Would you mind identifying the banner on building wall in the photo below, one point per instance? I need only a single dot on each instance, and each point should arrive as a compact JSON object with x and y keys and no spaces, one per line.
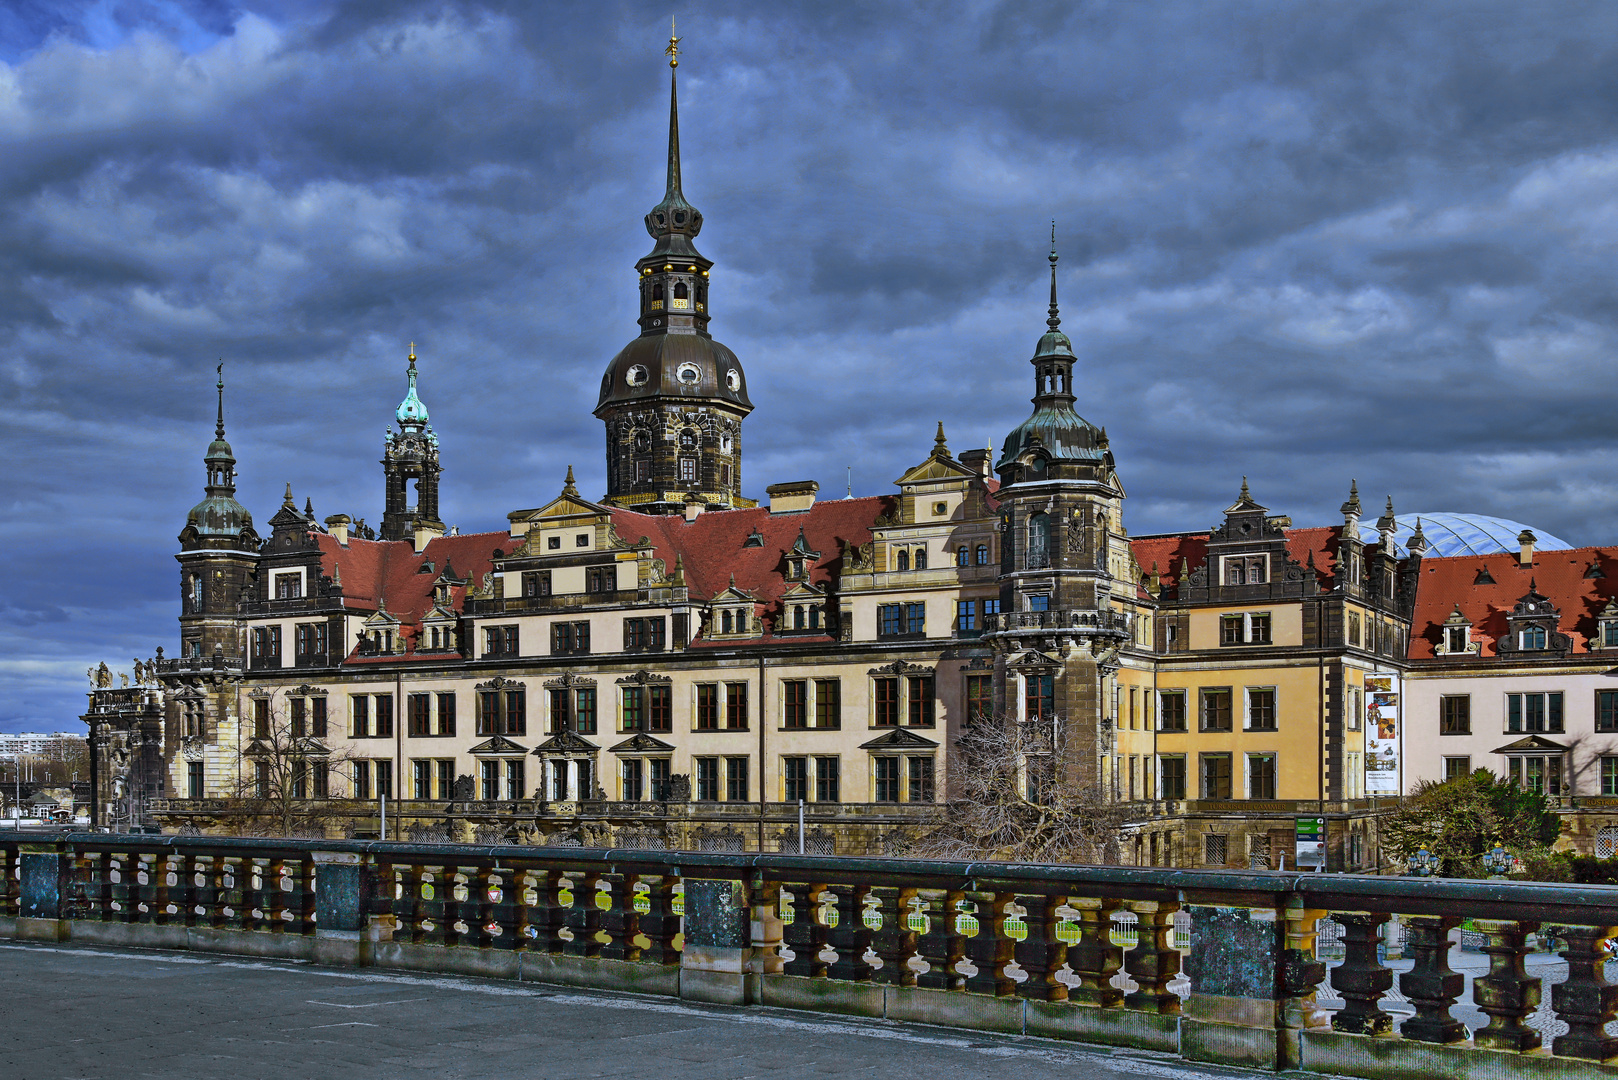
{"x":1382,"y":734}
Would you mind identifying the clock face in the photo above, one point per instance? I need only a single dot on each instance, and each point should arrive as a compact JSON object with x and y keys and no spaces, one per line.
{"x":636,"y":376}
{"x":733,"y":379}
{"x":689,"y":374}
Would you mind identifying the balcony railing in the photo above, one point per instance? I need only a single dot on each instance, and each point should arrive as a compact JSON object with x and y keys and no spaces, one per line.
{"x":176,"y":665}
{"x":1071,"y":618}
{"x":1068,"y":952}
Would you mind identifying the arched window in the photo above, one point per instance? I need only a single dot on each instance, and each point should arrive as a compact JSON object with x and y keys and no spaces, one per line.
{"x":680,"y":291}
{"x":1533,"y":637}
{"x":1039,"y":534}
{"x":921,"y":558}
{"x":814,"y":618}
{"x":657,"y":293}
{"x":963,"y":556}
{"x":904,"y":560}
{"x":797,"y":616}
{"x":983,"y":555}
{"x":1234,"y":574}
{"x":688,"y":439}
{"x":725,"y":621}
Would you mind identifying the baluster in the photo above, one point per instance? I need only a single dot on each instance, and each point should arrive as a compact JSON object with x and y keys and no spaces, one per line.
{"x":895,"y":942}
{"x":991,"y":949}
{"x":942,"y":945}
{"x":413,"y":902}
{"x":764,"y":915}
{"x":1586,"y":1002}
{"x":660,"y":924}
{"x":584,"y":917}
{"x":83,"y":888}
{"x":547,"y":916}
{"x":1507,"y":994}
{"x":1154,"y":962}
{"x":1430,"y":985}
{"x":850,"y":937}
{"x":1042,"y":953}
{"x":308,"y":901}
{"x":808,"y":932}
{"x":480,"y":906}
{"x":159,"y":889}
{"x":1361,"y":978}
{"x":1301,"y":972}
{"x":620,"y":922}
{"x":503,"y":894}
{"x":187,"y":895}
{"x":1095,"y":959}
{"x":274,"y":892}
{"x":451,"y":896}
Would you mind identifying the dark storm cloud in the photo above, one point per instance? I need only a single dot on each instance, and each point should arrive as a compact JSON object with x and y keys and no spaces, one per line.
{"x":1299,"y":242}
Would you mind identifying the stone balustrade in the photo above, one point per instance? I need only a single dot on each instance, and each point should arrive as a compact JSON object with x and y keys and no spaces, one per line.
{"x":1093,"y":620}
{"x":1071,"y":952}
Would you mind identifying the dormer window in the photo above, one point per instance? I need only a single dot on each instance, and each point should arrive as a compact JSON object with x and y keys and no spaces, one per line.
{"x":288,"y":586}
{"x":1455,"y":638}
{"x":1609,"y":633}
{"x":1246,"y":570}
{"x":1531,"y":637}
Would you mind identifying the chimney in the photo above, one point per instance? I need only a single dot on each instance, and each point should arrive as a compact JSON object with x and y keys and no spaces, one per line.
{"x":693,"y":507}
{"x":338,"y":525}
{"x":1525,"y":555}
{"x":978,"y":461}
{"x":793,"y":498}
{"x":425,"y":533}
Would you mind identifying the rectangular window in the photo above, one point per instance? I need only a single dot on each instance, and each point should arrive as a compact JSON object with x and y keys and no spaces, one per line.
{"x":707,"y":707}
{"x":1039,"y":602}
{"x":382,"y":770}
{"x":359,"y":708}
{"x":446,"y":779}
{"x":921,"y":779}
{"x":1455,"y":714}
{"x":645,"y":635}
{"x":660,"y":708}
{"x":1216,"y":776}
{"x":1538,"y":713}
{"x":298,"y":708}
{"x":446,"y":714}
{"x":1261,"y":776}
{"x":1457,"y":767}
{"x":1216,"y":708}
{"x":633,"y":776}
{"x":561,"y":712}
{"x":288,"y":586}
{"x":584,"y":715}
{"x":502,"y":712}
{"x":1230,"y":629}
{"x":794,"y":779}
{"x":921,"y":707}
{"x":489,"y":780}
{"x":657,"y":778}
{"x":500,"y":641}
{"x":1039,"y":697}
{"x":1607,"y":710}
{"x":261,"y":717}
{"x":362,"y":779}
{"x":1172,"y":786}
{"x":736,"y":779}
{"x":688,"y":470}
{"x":915,"y":618}
{"x":1260,"y":708}
{"x":261,"y":779}
{"x":966,"y":618}
{"x":1258,"y":629}
{"x":319,"y":780}
{"x":632,"y":716}
{"x":1353,"y":629}
{"x":193,"y":778}
{"x":1171,"y":711}
{"x":795,"y":704}
{"x":885,"y":698}
{"x":514,"y":778}
{"x":1609,"y":776}
{"x":736,"y":706}
{"x":827,"y":770}
{"x":536,"y":583}
{"x":601,"y":579}
{"x":570,"y":639}
{"x":979,"y":696}
{"x":422,"y":777}
{"x":1215,"y":849}
{"x":887,"y":779}
{"x":889,"y":620}
{"x":828,"y":704}
{"x":708,"y":779}
{"x":419,"y":717}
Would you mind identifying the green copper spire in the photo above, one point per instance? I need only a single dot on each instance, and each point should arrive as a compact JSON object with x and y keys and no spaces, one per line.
{"x":412,"y":414}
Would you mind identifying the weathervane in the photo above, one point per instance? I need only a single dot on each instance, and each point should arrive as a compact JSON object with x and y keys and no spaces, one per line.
{"x":673,"y":51}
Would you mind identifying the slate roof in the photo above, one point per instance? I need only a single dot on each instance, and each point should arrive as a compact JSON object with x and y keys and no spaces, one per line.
{"x":1557,"y":575}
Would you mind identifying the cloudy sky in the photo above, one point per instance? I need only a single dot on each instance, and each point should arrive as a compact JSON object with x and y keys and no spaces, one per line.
{"x":1299,"y":242}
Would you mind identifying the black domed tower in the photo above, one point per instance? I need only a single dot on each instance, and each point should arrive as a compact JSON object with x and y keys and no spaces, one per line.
{"x":218,"y":555}
{"x":674,"y":398}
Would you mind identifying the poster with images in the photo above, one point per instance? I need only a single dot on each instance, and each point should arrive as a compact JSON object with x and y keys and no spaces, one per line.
{"x":1382,"y":734}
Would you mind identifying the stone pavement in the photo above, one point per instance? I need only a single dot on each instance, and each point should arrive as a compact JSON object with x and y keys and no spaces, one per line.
{"x":82,"y":1012}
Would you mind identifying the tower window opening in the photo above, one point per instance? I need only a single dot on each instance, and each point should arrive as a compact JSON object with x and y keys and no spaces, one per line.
{"x":921,"y":558}
{"x":904,"y":560}
{"x":680,"y":291}
{"x":1038,"y":541}
{"x":688,"y":439}
{"x":688,"y":469}
{"x":657,"y":294}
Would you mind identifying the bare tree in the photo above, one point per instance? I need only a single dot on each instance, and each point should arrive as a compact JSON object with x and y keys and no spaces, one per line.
{"x":285,"y":778}
{"x":1013,"y":796}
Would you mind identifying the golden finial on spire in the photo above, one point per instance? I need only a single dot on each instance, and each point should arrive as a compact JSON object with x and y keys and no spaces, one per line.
{"x":673,"y":51}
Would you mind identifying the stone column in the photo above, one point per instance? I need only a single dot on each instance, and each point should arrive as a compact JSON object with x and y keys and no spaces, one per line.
{"x":716,"y":963}
{"x":347,"y":891}
{"x":42,"y":908}
{"x":1245,"y":988}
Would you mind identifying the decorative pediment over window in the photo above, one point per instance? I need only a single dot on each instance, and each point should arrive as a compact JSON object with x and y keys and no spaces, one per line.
{"x":979,"y":663}
{"x":1533,"y":744}
{"x":381,"y":619}
{"x":305,"y":690}
{"x":799,"y":559}
{"x":497,"y":745}
{"x":1606,"y":635}
{"x":299,"y":748}
{"x":1455,"y":636}
{"x":568,"y":682}
{"x":1532,"y":627}
{"x":261,"y":692}
{"x":566,"y":742}
{"x":899,"y":667}
{"x":642,"y":743}
{"x":1033,"y":658}
{"x":899,"y":739}
{"x":643,"y":678}
{"x":499,"y":682}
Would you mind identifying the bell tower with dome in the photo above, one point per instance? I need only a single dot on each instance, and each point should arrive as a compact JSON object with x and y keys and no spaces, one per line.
{"x":673,"y":400}
{"x":411,"y":455}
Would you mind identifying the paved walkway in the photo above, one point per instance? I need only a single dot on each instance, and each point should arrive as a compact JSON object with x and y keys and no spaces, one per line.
{"x":83,"y":1012}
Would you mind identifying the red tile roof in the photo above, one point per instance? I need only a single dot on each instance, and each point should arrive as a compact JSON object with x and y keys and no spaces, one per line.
{"x":1557,"y":575}
{"x":1167,"y":551}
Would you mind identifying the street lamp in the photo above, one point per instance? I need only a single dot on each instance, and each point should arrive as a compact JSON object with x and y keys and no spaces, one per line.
{"x":1422,"y":863}
{"x":1498,"y":861}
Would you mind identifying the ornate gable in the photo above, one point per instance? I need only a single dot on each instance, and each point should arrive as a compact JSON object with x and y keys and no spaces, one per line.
{"x":497,"y":745}
{"x":642,"y":743}
{"x":900,"y":739}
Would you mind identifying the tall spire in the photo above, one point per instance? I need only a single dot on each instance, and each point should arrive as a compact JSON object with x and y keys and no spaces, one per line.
{"x":674,"y":216}
{"x":1055,"y":319}
{"x":673,"y":53}
{"x":411,"y":414}
{"x":219,"y":425}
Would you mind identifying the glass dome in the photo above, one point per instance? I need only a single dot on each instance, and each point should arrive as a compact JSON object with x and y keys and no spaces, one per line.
{"x":1464,"y":534}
